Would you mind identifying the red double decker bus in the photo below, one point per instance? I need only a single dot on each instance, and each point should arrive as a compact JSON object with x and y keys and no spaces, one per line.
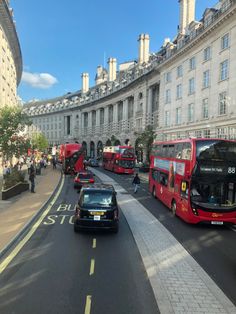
{"x":119,"y":159}
{"x":71,"y":156}
{"x":196,"y":179}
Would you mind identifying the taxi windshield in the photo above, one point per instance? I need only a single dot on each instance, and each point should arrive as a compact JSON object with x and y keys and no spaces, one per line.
{"x":97,"y":198}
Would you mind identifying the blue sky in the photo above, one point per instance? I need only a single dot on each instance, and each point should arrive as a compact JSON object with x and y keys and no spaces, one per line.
{"x":60,"y":39}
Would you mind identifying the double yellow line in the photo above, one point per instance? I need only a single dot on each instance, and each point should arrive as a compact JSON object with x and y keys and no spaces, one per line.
{"x":20,"y":245}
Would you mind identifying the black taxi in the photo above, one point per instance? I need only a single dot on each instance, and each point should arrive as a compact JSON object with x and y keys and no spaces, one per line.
{"x":97,"y":208}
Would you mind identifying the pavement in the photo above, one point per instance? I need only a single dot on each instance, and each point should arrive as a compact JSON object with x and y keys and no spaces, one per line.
{"x":17,"y":212}
{"x":179,"y":284}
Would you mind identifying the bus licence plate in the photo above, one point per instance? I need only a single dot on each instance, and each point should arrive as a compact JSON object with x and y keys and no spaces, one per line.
{"x":217,"y":222}
{"x":96,"y":218}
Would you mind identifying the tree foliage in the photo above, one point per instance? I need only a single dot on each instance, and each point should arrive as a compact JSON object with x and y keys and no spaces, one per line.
{"x":146,"y":139}
{"x":12,"y":125}
{"x":39,"y":141}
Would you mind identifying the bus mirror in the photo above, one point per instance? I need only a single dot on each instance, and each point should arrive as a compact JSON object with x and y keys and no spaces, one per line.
{"x":183,"y":186}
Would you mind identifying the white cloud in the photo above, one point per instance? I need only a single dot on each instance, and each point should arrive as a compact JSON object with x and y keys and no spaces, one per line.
{"x":39,"y":80}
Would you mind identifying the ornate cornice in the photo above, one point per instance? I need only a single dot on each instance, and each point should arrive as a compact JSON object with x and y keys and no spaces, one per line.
{"x":8,"y":26}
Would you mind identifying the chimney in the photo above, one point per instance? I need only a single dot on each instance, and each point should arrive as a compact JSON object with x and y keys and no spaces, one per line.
{"x":143,"y":48}
{"x":85,"y":82}
{"x":112,"y":69}
{"x":186,"y":14}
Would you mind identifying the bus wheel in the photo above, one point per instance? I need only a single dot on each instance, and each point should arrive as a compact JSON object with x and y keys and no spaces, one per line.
{"x":173,"y":208}
{"x":154,"y":192}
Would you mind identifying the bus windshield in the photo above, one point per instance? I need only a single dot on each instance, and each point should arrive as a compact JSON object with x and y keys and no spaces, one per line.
{"x":216,"y":150}
{"x":209,"y":194}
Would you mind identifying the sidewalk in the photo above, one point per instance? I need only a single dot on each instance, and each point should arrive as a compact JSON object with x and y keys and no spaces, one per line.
{"x":16,"y":212}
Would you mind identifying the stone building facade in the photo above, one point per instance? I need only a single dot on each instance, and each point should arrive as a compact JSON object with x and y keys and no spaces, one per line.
{"x":10,"y":57}
{"x":186,"y":89}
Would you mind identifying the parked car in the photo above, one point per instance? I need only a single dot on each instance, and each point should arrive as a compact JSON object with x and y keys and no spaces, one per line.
{"x":97,"y":208}
{"x":93,"y":162}
{"x":83,"y":177}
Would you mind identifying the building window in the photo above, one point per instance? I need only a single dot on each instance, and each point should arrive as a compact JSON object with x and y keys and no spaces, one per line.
{"x":225,"y":41}
{"x":222,"y":103}
{"x":190,"y":112}
{"x":179,"y":91}
{"x":168,"y":96}
{"x":179,"y":71}
{"x":224,"y":70}
{"x":192,"y":63}
{"x":207,"y":133}
{"x":101,"y":116}
{"x":206,"y":79}
{"x":207,"y":54}
{"x":178,"y":116}
{"x":168,"y":77}
{"x":191,"y":86}
{"x":167,"y":118}
{"x":222,"y":133}
{"x":205,"y":113}
{"x":198,"y":133}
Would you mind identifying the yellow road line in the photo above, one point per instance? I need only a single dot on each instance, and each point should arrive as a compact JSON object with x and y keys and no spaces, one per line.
{"x":92,"y":266}
{"x":17,"y":249}
{"x":94,"y":243}
{"x":88,"y":304}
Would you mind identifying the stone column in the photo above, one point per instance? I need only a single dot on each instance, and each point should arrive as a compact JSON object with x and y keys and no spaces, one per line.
{"x":98,"y":126}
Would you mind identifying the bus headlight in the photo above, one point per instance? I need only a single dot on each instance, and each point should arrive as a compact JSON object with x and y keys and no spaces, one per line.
{"x":195,"y":211}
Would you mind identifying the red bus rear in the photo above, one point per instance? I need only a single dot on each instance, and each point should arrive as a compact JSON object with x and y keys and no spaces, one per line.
{"x":119,"y":159}
{"x":196,"y":178}
{"x":72,"y":157}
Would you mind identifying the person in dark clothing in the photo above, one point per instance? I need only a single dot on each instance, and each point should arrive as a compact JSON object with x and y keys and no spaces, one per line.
{"x":54,"y":163}
{"x":32,"y":174}
{"x":136,"y":183}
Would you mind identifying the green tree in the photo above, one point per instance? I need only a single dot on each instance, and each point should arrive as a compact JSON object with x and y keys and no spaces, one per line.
{"x":145,"y":140}
{"x":12,"y":126}
{"x":39,"y":141}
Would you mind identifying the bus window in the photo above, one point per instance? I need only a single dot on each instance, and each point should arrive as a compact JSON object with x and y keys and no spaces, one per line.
{"x":155,"y":175}
{"x":163,"y":178}
{"x":165,"y":151}
{"x":171,"y":151}
{"x":178,"y":151}
{"x":186,"y":151}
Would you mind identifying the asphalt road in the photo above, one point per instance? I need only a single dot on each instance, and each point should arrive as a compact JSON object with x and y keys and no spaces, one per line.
{"x":213,"y":247}
{"x":59,"y":271}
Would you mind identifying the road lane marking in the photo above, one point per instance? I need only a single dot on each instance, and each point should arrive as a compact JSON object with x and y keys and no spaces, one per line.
{"x":92,"y":266}
{"x":20,"y":245}
{"x":88,"y":304}
{"x":94,"y":243}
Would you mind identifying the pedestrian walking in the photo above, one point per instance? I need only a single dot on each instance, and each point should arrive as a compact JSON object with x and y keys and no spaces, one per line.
{"x":32,"y":177}
{"x":136,"y":183}
{"x":54,"y":163}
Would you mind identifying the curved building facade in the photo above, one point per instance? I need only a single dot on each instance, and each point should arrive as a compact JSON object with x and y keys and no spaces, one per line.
{"x":186,"y":89}
{"x":10,"y":57}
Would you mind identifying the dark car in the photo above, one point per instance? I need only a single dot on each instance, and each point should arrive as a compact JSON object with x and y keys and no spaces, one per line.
{"x":97,"y":208}
{"x":93,"y":163}
{"x":83,"y":177}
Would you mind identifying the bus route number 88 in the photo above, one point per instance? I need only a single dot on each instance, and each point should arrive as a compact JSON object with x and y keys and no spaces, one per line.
{"x":231,"y":170}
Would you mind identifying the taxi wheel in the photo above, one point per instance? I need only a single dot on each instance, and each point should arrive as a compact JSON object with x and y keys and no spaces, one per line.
{"x":173,"y":208}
